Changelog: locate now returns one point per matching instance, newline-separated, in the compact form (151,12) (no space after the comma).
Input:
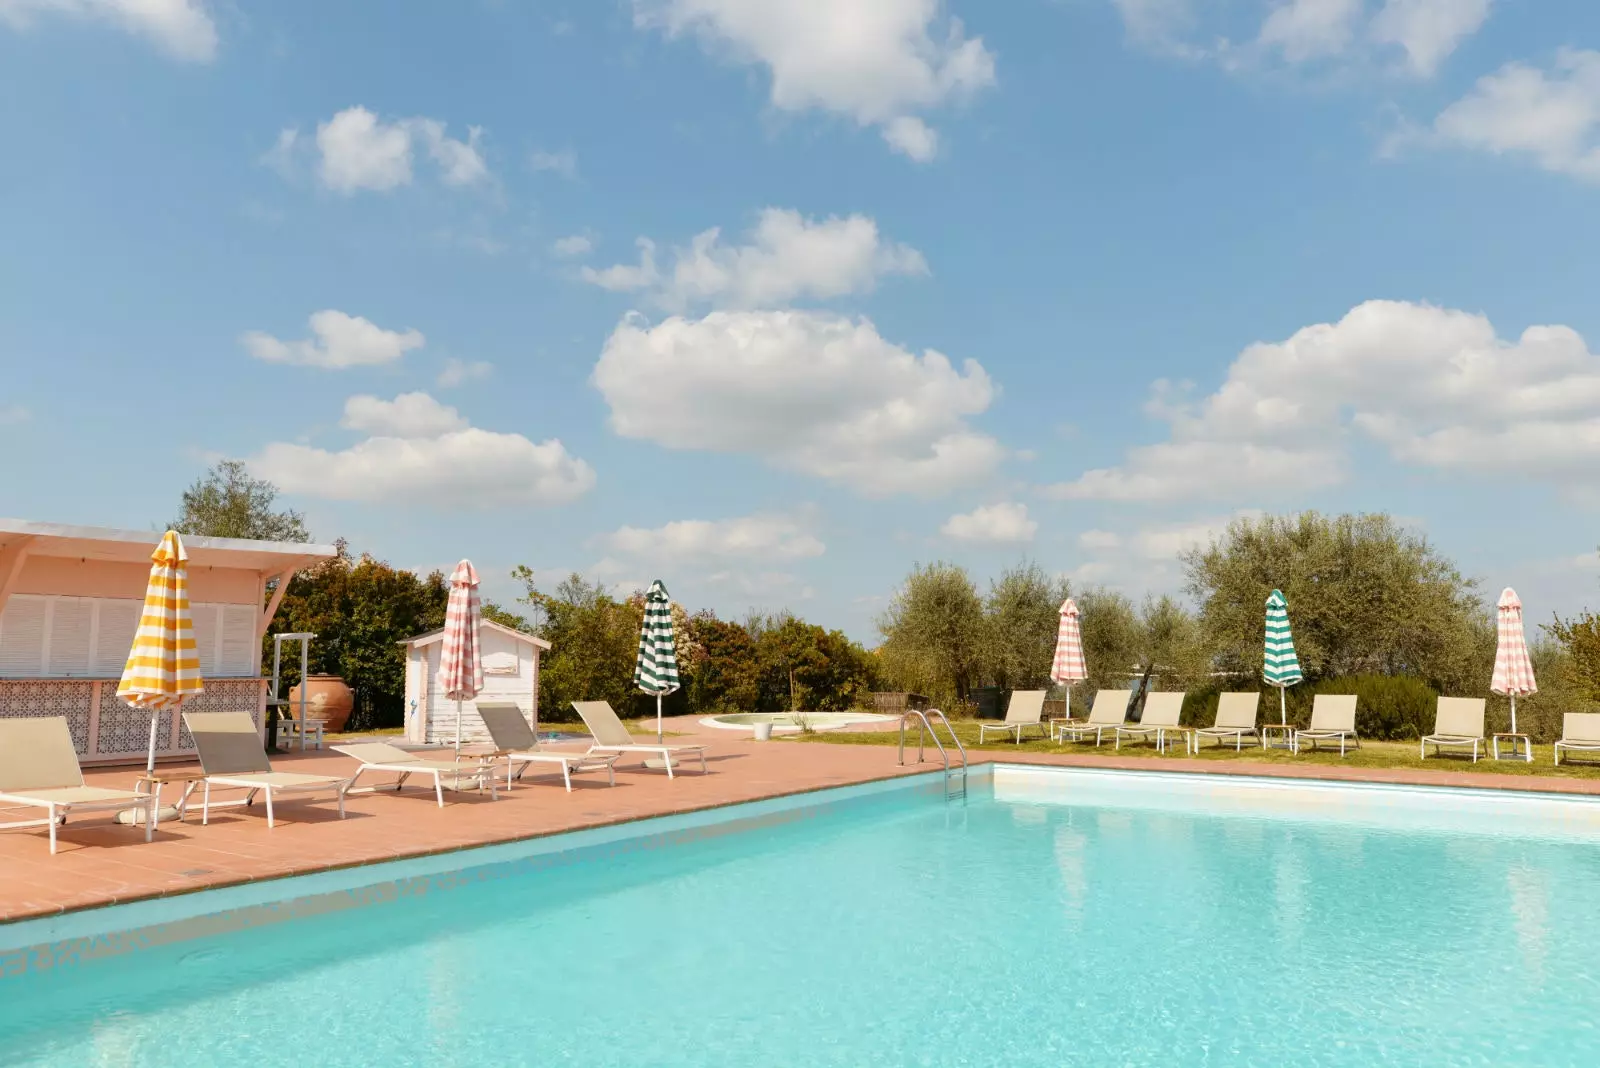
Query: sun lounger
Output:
(1580,732)
(610,736)
(39,769)
(518,743)
(1160,718)
(469,774)
(1236,717)
(1109,712)
(1458,722)
(1332,716)
(231,755)
(1025,709)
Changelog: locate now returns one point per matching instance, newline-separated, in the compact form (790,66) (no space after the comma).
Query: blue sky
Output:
(772,299)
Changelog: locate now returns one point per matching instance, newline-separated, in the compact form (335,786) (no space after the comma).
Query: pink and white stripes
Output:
(1069,666)
(1513,671)
(460,665)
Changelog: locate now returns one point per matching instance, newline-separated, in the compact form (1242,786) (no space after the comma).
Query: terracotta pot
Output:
(328,699)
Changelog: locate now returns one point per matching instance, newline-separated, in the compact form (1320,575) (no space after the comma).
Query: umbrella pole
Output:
(458,726)
(658,719)
(1283,706)
(1513,713)
(150,763)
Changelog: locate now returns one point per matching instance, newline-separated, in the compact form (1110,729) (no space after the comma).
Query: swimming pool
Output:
(1057,917)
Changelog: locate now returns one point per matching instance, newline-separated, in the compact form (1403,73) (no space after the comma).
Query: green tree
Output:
(728,678)
(1023,617)
(228,503)
(1114,639)
(594,640)
(360,610)
(1365,596)
(934,633)
(801,665)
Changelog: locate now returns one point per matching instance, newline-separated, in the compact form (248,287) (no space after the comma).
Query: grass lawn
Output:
(1370,755)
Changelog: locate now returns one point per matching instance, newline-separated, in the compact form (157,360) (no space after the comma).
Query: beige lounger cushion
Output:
(283,780)
(609,731)
(77,795)
(1237,711)
(1160,710)
(36,753)
(1333,713)
(1026,707)
(508,726)
(1581,727)
(1110,708)
(393,756)
(1459,717)
(228,743)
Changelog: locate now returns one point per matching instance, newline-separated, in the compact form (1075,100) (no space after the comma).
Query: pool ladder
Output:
(955,775)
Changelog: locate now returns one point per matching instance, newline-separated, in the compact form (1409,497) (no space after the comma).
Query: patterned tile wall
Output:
(42,697)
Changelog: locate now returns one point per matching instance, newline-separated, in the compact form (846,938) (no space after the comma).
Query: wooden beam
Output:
(284,578)
(11,560)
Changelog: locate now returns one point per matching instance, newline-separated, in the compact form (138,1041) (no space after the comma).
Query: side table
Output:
(1520,747)
(152,782)
(1285,732)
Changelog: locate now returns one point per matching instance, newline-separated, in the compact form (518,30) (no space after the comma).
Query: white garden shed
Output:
(510,673)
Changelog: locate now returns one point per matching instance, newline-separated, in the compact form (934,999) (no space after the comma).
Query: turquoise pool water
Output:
(1076,924)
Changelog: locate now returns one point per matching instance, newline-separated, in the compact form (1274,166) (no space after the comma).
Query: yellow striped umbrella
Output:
(163,668)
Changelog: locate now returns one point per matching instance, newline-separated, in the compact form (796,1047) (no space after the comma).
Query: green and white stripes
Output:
(1281,667)
(656,671)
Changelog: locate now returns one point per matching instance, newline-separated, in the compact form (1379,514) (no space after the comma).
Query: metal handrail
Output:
(925,729)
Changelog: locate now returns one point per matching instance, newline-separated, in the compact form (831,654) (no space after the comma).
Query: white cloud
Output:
(181,28)
(1099,540)
(410,415)
(1428,30)
(338,341)
(763,537)
(815,393)
(1436,387)
(423,452)
(912,137)
(878,63)
(1311,29)
(357,150)
(1005,523)
(572,246)
(1551,117)
(564,163)
(1166,542)
(460,162)
(788,257)
(1412,37)
(455,372)
(14,414)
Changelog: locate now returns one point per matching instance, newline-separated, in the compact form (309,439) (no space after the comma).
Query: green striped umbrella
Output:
(1281,668)
(657,668)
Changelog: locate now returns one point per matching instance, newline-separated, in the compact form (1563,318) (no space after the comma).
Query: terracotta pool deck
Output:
(100,863)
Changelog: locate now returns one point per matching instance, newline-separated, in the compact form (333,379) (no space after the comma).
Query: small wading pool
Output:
(784,722)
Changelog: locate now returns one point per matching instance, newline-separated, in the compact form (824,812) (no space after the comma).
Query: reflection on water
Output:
(1070,850)
(1530,917)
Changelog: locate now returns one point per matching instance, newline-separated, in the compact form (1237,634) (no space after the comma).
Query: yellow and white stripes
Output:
(163,666)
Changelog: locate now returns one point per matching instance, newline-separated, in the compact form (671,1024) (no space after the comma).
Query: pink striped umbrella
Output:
(460,664)
(1069,666)
(1513,671)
